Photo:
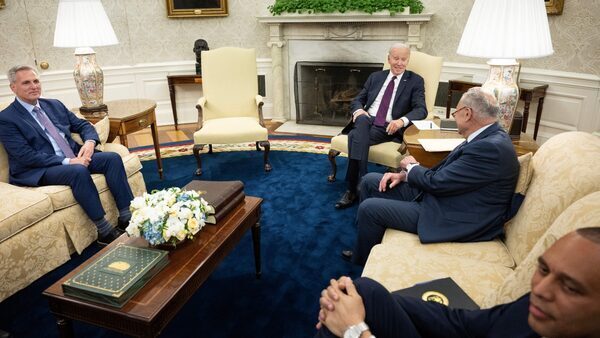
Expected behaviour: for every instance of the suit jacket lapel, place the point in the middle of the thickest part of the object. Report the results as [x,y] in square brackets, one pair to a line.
[27,118]
[378,85]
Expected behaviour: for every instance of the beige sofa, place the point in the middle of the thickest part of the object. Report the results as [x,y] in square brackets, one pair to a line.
[40,227]
[563,194]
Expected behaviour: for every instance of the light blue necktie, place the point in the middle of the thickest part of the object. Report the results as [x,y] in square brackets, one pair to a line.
[62,143]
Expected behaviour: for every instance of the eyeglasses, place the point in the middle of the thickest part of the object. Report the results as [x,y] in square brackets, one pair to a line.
[456,111]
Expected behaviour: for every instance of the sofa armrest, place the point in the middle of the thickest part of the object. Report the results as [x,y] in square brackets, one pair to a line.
[116,148]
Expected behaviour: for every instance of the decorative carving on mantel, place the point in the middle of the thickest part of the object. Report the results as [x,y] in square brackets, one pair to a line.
[345,32]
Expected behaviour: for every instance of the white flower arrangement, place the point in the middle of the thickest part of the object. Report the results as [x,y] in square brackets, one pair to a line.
[168,216]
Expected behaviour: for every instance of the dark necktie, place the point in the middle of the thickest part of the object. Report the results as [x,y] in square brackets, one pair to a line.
[385,104]
[51,129]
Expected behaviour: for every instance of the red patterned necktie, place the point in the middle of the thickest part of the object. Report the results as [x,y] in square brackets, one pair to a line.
[62,143]
[385,104]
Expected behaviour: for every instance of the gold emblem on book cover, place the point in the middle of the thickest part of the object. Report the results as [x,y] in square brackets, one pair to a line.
[435,296]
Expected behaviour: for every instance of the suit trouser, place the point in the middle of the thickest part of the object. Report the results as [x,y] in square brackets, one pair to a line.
[79,178]
[395,208]
[361,137]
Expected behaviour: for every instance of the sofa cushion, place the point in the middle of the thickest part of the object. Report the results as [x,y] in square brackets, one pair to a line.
[102,129]
[565,169]
[493,252]
[26,208]
[61,195]
[525,173]
[583,213]
[398,267]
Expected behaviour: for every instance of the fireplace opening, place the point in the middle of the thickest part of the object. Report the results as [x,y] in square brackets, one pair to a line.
[324,90]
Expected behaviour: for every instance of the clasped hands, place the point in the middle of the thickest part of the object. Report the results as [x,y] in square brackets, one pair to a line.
[341,306]
[84,157]
[392,127]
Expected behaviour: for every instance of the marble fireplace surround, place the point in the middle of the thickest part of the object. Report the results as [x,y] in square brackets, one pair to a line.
[349,37]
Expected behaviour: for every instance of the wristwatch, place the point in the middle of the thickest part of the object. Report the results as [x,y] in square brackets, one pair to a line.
[355,331]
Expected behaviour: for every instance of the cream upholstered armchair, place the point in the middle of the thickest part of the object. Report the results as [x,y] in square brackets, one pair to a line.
[231,109]
[390,153]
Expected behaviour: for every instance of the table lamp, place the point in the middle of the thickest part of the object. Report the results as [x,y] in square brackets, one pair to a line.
[81,24]
[503,31]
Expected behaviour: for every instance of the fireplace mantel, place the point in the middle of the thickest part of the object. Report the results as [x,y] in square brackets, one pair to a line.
[348,28]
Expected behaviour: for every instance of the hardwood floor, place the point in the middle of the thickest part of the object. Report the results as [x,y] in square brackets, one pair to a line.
[168,134]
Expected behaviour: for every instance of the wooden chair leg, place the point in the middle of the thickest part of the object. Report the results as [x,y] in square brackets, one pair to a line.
[267,146]
[197,149]
[257,147]
[210,148]
[332,155]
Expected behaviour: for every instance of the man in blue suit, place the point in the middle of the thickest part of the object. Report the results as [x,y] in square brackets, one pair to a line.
[564,302]
[36,134]
[388,102]
[464,198]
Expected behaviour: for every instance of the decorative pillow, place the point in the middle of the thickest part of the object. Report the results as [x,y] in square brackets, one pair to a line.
[525,173]
[102,128]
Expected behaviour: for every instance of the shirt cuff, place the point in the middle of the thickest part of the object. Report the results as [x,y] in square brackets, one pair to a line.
[406,121]
[91,141]
[66,161]
[409,168]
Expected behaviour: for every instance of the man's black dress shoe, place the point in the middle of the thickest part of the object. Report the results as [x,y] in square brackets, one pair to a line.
[347,200]
[347,255]
[122,224]
[112,235]
[4,334]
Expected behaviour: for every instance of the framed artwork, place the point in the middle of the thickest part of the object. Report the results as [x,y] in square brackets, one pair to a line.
[196,8]
[554,7]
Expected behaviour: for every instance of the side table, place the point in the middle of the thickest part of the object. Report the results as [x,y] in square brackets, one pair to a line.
[528,93]
[131,115]
[173,80]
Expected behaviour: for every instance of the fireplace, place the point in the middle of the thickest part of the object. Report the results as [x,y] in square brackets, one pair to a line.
[324,90]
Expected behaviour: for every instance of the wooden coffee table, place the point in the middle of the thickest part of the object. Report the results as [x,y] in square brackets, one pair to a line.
[429,159]
[151,309]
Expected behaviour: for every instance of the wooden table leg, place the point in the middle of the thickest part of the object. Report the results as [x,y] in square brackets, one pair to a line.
[525,115]
[65,327]
[173,103]
[538,116]
[448,101]
[123,139]
[256,247]
[154,130]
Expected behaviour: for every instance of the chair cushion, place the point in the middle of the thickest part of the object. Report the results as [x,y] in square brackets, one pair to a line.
[230,130]
[398,267]
[493,252]
[26,208]
[525,173]
[386,154]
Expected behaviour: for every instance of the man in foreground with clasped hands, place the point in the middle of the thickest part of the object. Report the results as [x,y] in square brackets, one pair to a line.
[465,198]
[36,134]
[564,301]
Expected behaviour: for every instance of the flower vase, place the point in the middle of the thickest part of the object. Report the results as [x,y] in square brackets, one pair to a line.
[170,246]
[501,83]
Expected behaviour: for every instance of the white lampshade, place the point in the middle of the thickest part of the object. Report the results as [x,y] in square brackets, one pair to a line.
[507,29]
[83,23]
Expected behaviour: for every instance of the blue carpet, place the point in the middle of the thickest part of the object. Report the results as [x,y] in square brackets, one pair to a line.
[302,236]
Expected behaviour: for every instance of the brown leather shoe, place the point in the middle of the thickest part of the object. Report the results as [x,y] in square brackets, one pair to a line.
[112,235]
[347,255]
[348,198]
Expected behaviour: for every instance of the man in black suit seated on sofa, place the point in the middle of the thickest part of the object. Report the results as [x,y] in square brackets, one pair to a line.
[388,102]
[465,198]
[564,302]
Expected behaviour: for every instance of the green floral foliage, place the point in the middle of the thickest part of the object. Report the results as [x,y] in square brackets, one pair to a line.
[342,6]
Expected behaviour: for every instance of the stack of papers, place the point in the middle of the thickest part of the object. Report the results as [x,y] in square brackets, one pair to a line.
[440,144]
[425,125]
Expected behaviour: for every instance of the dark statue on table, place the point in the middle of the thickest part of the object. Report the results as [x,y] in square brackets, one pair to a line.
[199,46]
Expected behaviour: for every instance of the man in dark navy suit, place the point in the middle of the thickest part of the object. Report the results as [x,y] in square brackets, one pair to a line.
[564,302]
[36,134]
[388,102]
[465,198]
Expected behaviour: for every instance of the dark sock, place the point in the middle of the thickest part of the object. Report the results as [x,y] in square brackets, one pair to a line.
[103,227]
[124,214]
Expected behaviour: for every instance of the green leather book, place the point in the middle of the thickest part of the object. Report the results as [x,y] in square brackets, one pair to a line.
[117,275]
